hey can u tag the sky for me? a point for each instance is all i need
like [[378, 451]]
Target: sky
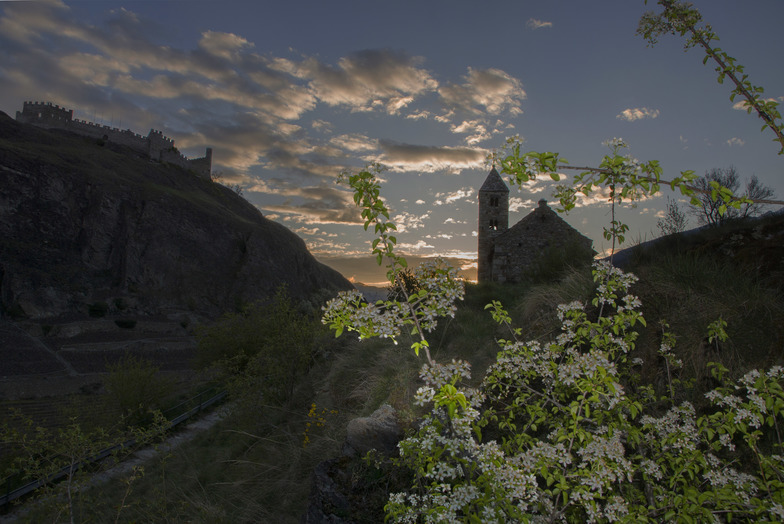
[[290, 94]]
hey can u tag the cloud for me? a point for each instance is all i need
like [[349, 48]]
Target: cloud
[[121, 57], [410, 157], [396, 104], [476, 129], [405, 221], [419, 115], [517, 203], [535, 24], [735, 141], [363, 78], [637, 113], [355, 142], [454, 196], [309, 205], [451, 220], [416, 247], [306, 230], [490, 91], [263, 115], [223, 45], [321, 125]]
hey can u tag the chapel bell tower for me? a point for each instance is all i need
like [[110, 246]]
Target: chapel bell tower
[[493, 220]]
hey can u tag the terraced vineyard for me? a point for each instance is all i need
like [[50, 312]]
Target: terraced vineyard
[[53, 372]]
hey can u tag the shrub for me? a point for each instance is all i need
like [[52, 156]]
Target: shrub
[[563, 430], [262, 350], [135, 386]]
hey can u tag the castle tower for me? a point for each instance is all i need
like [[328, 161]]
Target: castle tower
[[44, 114], [493, 220]]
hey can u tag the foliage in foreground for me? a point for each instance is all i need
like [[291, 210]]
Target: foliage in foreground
[[562, 431]]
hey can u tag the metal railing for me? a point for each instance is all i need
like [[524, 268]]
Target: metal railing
[[14, 488]]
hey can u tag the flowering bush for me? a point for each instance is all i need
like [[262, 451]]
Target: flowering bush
[[571, 441], [559, 430]]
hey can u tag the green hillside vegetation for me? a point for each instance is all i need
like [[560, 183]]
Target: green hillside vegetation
[[256, 464]]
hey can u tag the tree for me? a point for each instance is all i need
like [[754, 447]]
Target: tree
[[674, 220], [708, 211]]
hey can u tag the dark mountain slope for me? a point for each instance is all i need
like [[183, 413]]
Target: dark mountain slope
[[83, 222]]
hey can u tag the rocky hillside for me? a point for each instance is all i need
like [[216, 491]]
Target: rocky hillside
[[90, 225]]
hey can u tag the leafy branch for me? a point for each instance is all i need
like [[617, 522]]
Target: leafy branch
[[682, 18], [435, 296]]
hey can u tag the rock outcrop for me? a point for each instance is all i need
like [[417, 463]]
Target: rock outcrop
[[90, 224], [345, 490], [380, 431]]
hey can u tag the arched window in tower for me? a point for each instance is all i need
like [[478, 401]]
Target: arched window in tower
[[494, 201], [493, 224]]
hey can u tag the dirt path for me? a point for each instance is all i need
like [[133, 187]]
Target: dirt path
[[171, 443]]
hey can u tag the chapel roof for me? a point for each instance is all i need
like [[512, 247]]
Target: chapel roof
[[494, 182], [531, 223]]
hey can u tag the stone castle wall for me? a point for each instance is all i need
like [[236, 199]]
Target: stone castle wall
[[155, 145]]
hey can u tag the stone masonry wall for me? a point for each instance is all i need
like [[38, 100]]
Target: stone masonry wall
[[520, 248], [493, 221]]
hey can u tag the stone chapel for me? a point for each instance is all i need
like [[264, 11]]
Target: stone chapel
[[505, 254]]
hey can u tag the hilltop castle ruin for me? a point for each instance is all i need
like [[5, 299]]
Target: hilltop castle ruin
[[155, 145]]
